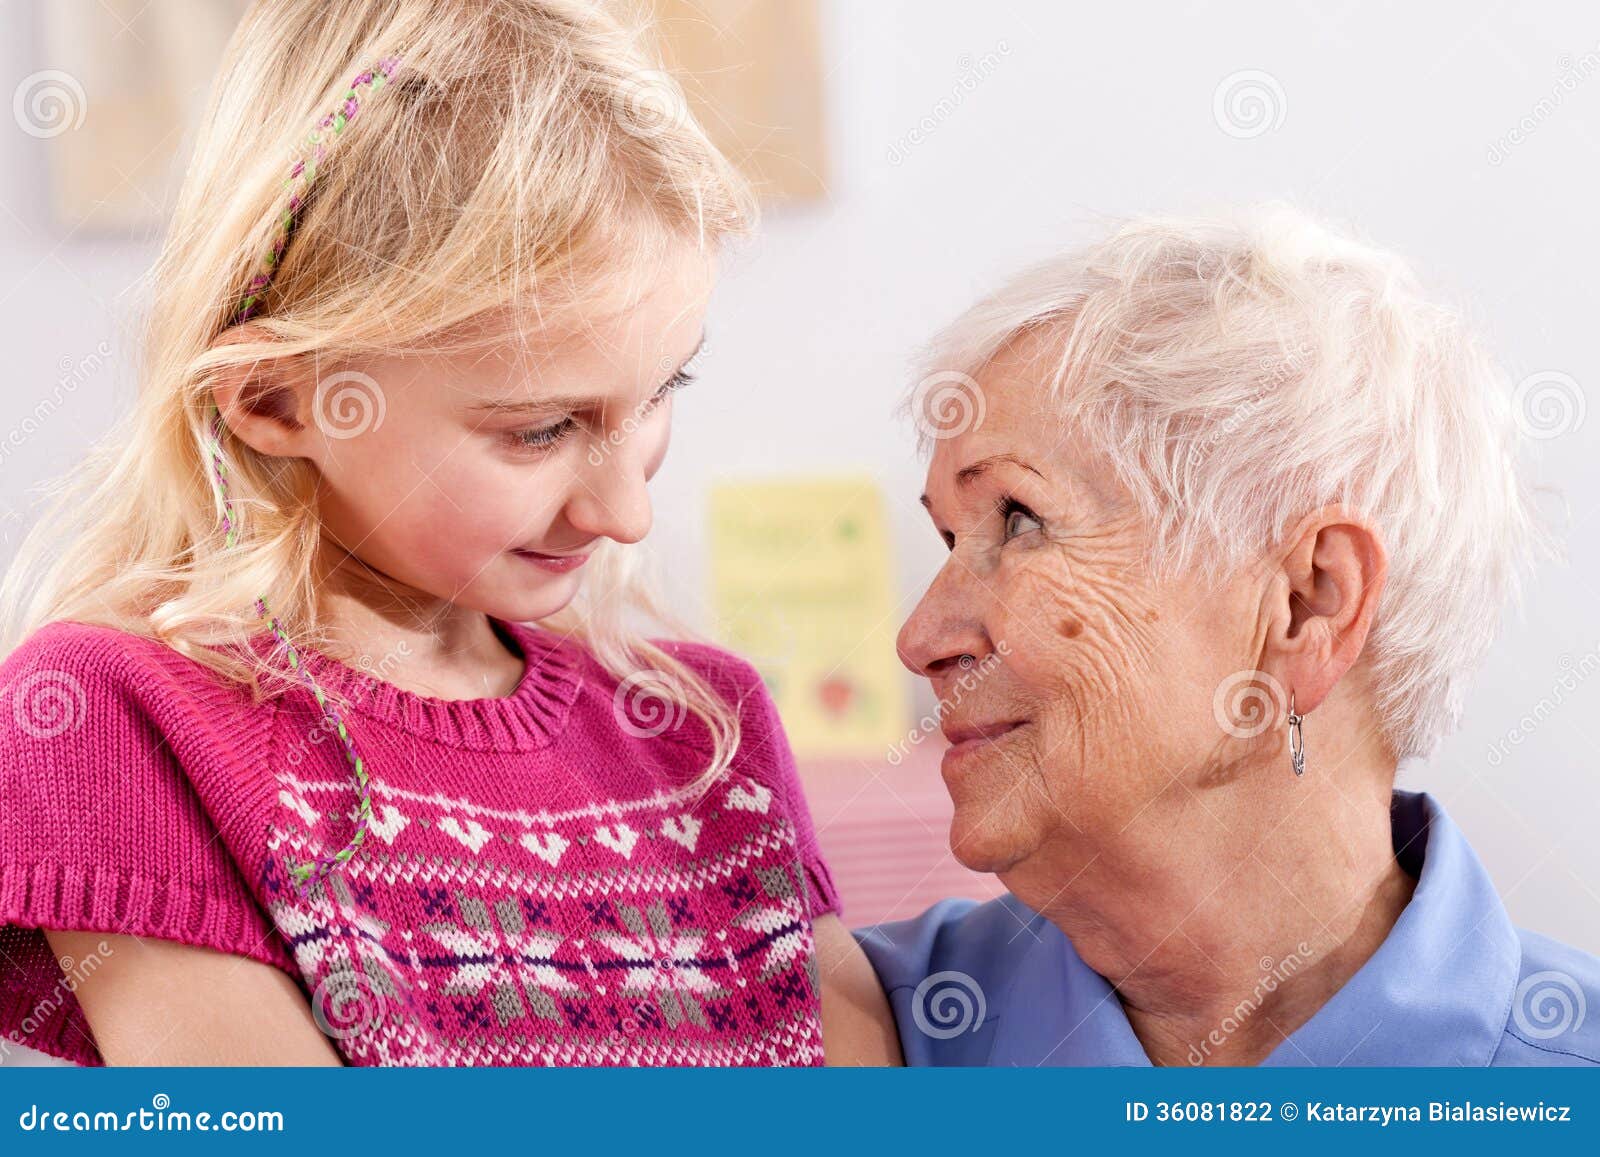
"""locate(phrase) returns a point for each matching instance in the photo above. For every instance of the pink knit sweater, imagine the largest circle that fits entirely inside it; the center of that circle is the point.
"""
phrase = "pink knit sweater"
(537, 887)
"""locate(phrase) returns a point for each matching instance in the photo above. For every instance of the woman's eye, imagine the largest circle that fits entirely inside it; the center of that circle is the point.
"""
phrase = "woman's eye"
(543, 437)
(1020, 520)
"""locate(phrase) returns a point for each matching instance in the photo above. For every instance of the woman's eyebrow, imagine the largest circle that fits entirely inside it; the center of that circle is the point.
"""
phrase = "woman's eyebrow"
(969, 474)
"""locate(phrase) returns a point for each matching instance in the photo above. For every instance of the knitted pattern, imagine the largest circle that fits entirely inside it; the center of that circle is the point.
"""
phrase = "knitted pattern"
(542, 882)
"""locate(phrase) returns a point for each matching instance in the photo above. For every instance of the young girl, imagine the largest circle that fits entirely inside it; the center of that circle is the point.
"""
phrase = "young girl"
(287, 774)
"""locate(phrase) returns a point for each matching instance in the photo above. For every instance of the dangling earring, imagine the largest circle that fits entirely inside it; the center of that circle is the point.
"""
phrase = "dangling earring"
(1297, 739)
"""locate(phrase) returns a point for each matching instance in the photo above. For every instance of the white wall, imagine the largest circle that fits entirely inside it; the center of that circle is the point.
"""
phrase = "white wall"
(1082, 112)
(1390, 116)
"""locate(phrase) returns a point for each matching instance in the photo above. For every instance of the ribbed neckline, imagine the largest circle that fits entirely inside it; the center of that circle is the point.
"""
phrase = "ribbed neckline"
(528, 718)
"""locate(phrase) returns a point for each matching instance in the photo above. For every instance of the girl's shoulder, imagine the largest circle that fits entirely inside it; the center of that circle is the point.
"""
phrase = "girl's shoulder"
(131, 805)
(78, 667)
(738, 683)
(87, 698)
(71, 643)
(733, 676)
(152, 738)
(67, 661)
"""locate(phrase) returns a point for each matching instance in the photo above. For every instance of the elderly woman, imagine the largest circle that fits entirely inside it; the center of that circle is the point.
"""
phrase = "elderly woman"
(1231, 511)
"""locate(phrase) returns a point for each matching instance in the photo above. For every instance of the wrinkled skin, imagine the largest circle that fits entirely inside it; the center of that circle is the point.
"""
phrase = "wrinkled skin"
(1108, 672)
(1091, 765)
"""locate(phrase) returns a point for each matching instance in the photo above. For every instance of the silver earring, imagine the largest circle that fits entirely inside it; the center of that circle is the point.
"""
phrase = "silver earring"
(1297, 739)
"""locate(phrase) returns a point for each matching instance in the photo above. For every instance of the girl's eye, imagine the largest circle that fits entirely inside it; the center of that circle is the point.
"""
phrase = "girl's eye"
(673, 384)
(1019, 520)
(545, 436)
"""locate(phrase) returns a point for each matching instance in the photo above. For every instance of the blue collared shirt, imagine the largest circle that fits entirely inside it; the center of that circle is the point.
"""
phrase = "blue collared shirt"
(1454, 983)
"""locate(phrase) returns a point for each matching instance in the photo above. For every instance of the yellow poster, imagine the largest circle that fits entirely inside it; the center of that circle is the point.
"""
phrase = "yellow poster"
(802, 588)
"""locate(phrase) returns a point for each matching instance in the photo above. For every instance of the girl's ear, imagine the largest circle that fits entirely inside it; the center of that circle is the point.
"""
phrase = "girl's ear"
(264, 402)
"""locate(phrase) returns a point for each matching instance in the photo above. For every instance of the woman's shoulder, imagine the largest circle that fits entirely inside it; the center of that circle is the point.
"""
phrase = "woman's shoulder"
(979, 938)
(1555, 1010)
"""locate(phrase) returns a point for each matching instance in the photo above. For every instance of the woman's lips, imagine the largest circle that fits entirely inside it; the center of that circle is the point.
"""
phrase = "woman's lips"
(555, 563)
(974, 737)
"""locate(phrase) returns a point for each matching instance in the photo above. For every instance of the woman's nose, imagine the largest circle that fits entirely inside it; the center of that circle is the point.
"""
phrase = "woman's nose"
(941, 629)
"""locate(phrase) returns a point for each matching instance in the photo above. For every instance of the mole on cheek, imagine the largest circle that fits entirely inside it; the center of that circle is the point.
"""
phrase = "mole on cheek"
(1071, 628)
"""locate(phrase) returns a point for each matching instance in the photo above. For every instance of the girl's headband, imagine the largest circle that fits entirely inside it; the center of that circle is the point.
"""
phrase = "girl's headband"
(305, 172)
(298, 186)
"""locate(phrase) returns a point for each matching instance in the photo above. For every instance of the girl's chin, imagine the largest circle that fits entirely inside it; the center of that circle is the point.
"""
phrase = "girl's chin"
(541, 597)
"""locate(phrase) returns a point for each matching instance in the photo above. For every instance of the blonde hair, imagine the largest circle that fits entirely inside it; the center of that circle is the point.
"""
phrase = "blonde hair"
(1241, 371)
(525, 151)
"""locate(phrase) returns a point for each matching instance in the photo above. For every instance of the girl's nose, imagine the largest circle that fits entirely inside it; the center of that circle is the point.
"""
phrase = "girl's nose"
(611, 501)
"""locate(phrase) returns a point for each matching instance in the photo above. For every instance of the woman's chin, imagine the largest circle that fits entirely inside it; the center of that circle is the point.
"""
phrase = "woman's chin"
(980, 843)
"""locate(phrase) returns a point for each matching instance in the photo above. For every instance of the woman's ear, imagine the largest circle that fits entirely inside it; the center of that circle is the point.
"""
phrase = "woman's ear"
(263, 401)
(1324, 599)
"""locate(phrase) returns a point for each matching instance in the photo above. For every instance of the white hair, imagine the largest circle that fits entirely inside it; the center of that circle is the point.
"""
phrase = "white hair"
(1241, 372)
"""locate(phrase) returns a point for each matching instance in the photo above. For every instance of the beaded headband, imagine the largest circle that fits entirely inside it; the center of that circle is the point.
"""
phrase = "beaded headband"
(298, 185)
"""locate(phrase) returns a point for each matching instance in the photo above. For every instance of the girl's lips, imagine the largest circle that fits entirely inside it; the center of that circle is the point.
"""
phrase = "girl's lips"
(555, 563)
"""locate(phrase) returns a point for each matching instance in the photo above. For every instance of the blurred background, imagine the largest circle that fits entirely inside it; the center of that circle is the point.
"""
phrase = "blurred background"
(912, 154)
